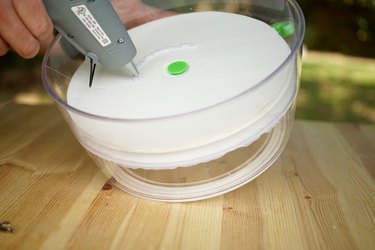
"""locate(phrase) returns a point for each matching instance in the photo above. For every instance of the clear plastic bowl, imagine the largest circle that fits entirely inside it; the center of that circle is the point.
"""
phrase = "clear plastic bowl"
(172, 172)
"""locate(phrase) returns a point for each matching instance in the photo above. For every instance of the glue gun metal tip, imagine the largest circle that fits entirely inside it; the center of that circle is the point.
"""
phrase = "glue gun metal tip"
(133, 69)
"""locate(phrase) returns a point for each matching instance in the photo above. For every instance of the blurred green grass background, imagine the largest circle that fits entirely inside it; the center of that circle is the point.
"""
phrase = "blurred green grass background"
(335, 87)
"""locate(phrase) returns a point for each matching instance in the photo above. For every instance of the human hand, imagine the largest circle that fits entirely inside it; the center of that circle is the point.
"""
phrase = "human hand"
(25, 27)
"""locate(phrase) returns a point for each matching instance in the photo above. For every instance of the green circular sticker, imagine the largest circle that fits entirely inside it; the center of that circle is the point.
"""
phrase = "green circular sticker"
(178, 67)
(284, 28)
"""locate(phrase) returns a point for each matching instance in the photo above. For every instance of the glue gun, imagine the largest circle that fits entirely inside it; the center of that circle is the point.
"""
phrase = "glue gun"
(94, 28)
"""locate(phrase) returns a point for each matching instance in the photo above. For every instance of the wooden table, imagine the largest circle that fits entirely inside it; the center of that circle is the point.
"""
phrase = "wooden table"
(320, 194)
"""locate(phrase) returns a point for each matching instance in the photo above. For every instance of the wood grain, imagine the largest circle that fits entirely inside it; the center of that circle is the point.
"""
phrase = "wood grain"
(320, 194)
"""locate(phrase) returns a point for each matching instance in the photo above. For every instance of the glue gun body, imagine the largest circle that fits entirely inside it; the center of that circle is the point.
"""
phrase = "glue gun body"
(94, 28)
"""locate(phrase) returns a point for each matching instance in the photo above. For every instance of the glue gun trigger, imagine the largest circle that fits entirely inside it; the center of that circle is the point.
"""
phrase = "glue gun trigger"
(92, 71)
(93, 60)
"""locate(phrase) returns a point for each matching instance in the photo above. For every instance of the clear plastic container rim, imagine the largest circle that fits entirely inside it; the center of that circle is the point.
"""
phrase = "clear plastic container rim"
(294, 50)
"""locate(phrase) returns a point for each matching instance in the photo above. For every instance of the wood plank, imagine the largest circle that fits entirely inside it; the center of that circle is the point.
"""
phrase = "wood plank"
(320, 194)
(242, 226)
(351, 191)
(361, 145)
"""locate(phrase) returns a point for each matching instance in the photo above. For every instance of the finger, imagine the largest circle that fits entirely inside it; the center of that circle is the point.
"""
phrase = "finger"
(3, 47)
(14, 32)
(46, 43)
(35, 17)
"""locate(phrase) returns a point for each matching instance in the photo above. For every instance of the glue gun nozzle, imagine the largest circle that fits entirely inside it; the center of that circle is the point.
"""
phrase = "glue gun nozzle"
(133, 69)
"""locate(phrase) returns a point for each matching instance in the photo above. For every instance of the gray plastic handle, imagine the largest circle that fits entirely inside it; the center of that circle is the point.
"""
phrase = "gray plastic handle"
(94, 28)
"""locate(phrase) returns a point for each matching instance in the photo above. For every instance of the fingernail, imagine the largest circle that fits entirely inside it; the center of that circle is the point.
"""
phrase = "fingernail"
(31, 49)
